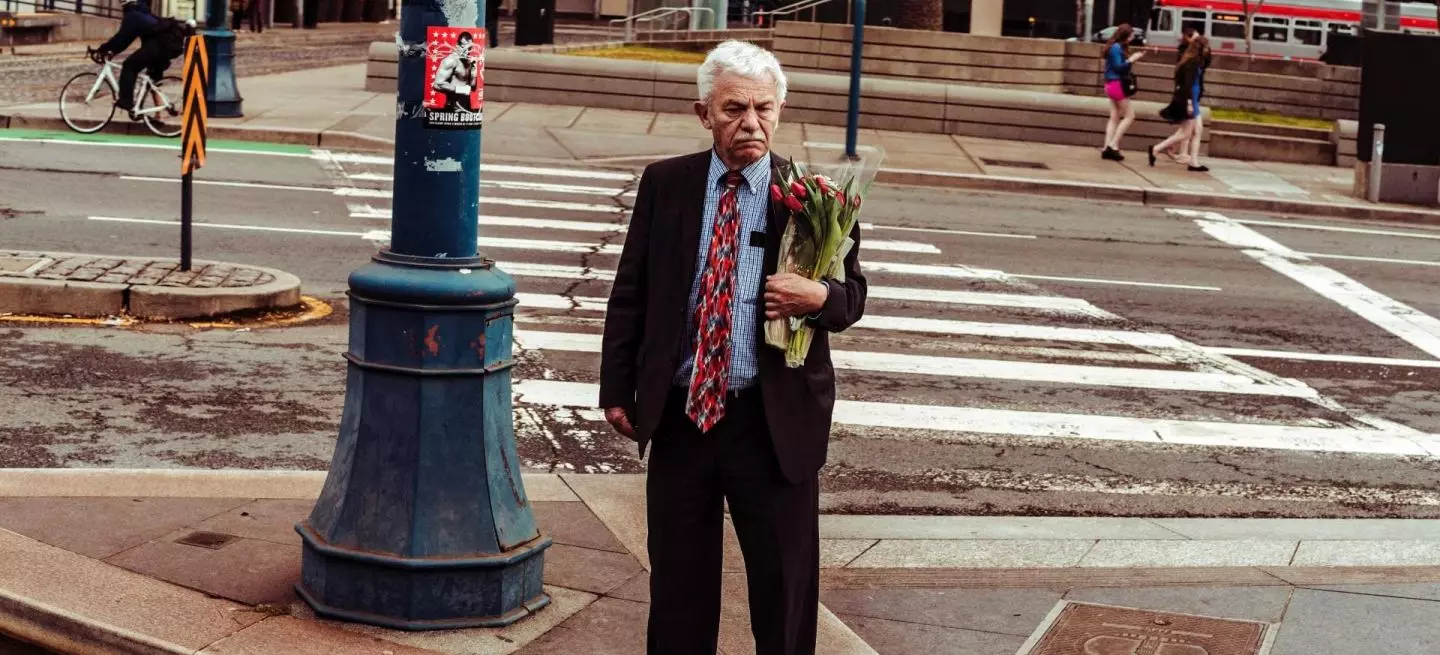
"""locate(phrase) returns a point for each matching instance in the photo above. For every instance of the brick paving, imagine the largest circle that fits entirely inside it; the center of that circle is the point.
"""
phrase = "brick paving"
(132, 271)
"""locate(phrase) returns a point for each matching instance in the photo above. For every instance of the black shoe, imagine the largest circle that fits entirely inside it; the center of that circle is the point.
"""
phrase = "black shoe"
(1151, 151)
(1198, 169)
(1112, 154)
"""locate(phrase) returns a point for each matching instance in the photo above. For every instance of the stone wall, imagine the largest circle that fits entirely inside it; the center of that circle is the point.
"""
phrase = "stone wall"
(1305, 89)
(892, 104)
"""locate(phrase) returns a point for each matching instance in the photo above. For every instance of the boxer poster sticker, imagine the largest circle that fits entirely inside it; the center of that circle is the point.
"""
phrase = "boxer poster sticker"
(454, 78)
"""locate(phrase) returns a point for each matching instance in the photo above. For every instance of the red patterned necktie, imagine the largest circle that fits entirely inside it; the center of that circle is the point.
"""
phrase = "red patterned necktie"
(706, 402)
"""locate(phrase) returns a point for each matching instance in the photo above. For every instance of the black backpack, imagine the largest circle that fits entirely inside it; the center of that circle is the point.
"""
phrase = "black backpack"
(172, 34)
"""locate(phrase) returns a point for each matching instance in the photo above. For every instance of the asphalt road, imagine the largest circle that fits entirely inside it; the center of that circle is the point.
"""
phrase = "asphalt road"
(1020, 354)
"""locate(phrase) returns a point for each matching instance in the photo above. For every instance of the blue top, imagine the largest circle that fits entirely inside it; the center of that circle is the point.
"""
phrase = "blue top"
(136, 23)
(1115, 65)
(753, 203)
(1195, 89)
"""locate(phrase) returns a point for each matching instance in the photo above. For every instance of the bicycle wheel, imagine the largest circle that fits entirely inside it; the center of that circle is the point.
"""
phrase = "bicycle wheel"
(86, 104)
(166, 121)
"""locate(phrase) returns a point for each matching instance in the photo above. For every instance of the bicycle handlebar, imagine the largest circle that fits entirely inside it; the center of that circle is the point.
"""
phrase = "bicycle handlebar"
(96, 55)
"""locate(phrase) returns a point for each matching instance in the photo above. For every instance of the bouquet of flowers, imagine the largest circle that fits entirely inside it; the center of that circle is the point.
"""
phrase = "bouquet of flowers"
(823, 210)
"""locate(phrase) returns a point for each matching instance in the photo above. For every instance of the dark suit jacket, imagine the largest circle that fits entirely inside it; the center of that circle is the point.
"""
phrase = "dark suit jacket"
(646, 337)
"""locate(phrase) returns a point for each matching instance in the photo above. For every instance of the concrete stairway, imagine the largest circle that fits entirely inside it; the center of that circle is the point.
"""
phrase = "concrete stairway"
(1262, 142)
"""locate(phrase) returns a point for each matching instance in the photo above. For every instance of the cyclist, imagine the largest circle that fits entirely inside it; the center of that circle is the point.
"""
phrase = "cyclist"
(153, 54)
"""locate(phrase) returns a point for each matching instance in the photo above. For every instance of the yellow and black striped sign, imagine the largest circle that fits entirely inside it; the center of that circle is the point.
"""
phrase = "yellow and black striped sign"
(197, 73)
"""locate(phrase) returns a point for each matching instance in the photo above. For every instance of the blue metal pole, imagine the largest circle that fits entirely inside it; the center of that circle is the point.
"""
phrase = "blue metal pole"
(857, 45)
(223, 94)
(423, 522)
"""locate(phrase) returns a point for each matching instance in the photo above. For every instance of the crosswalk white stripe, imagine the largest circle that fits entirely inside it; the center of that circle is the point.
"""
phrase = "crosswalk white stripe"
(1056, 304)
(1419, 329)
(987, 369)
(952, 423)
(594, 226)
(357, 192)
(937, 230)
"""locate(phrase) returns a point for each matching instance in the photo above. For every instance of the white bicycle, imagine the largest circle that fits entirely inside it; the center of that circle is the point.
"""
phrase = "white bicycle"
(87, 101)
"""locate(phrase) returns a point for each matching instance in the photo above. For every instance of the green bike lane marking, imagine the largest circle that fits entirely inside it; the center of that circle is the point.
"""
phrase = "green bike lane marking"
(141, 141)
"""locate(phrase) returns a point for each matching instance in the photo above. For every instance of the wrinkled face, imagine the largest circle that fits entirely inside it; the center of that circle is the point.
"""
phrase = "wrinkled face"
(741, 116)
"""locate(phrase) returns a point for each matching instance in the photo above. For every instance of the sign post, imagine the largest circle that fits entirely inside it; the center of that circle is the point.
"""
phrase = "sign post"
(192, 136)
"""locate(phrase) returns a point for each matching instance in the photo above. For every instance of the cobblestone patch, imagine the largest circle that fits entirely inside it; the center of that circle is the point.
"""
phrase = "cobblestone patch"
(134, 272)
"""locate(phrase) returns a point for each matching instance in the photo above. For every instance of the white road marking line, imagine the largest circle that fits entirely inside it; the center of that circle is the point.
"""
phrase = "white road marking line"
(542, 187)
(224, 183)
(1336, 228)
(376, 160)
(1053, 304)
(356, 192)
(253, 228)
(1378, 260)
(901, 246)
(557, 301)
(932, 270)
(556, 271)
(1419, 329)
(1016, 331)
(985, 369)
(933, 230)
(1127, 283)
(952, 423)
(1322, 357)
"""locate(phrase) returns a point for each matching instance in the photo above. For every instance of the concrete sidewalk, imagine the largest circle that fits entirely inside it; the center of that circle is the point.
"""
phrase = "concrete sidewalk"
(327, 108)
(93, 557)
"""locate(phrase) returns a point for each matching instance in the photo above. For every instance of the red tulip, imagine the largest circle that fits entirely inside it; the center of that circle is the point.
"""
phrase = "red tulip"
(857, 201)
(793, 203)
(797, 188)
(775, 193)
(841, 197)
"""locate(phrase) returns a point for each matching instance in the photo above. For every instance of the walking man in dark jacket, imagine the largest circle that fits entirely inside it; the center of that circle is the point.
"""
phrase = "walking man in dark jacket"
(136, 23)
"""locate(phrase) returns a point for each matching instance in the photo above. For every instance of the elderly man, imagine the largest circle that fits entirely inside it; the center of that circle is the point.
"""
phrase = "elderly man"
(684, 366)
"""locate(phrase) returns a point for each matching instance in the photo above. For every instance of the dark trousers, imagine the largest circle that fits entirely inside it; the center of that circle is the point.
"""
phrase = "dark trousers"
(148, 58)
(691, 475)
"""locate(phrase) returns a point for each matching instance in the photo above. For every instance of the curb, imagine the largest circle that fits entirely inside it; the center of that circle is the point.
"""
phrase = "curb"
(28, 295)
(1153, 197)
(62, 631)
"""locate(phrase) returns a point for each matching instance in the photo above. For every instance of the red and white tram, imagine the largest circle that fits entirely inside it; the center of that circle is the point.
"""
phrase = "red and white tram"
(1294, 29)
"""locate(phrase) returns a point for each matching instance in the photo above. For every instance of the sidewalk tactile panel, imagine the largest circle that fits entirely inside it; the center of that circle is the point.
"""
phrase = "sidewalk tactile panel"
(1085, 629)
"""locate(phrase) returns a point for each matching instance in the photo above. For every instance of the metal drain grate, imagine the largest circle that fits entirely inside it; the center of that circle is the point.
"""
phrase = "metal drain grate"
(1013, 163)
(1085, 629)
(211, 540)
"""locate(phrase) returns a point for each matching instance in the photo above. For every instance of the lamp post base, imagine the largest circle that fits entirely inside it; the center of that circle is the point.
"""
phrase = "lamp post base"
(223, 96)
(421, 594)
(423, 523)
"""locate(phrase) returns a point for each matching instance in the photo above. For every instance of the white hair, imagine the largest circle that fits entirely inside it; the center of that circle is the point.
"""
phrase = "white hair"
(740, 58)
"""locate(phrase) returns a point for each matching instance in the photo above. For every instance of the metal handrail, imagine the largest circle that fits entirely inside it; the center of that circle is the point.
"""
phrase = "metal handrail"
(797, 7)
(655, 14)
(107, 10)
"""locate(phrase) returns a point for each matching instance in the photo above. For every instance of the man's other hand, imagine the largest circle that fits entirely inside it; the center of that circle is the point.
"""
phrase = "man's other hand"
(620, 420)
(788, 294)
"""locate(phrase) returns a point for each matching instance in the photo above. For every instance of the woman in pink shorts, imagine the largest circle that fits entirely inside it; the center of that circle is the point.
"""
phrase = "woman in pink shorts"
(1118, 61)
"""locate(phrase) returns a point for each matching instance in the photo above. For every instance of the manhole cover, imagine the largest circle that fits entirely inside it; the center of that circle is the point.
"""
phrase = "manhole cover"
(211, 540)
(1084, 629)
(1012, 163)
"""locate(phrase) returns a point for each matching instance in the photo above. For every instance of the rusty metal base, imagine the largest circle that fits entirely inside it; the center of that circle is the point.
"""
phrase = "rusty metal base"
(1087, 629)
(421, 593)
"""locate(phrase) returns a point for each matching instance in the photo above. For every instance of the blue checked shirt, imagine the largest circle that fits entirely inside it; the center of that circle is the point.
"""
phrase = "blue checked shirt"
(753, 201)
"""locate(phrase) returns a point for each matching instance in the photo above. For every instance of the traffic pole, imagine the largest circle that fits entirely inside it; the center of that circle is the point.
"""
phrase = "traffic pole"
(186, 199)
(194, 118)
(423, 522)
(857, 45)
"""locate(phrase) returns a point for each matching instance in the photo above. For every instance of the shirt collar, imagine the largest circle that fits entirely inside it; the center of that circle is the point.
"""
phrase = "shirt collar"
(757, 174)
